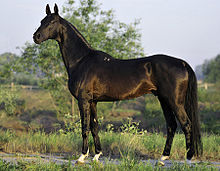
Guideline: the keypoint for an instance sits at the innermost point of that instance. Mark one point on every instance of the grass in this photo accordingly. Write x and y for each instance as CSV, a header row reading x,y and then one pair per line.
x,y
140,145
108,166
130,145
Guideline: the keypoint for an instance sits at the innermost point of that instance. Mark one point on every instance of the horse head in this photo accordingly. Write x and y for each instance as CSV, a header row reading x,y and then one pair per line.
x,y
50,26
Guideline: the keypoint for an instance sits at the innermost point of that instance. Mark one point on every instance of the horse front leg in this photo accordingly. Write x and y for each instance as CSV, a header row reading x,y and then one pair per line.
x,y
84,108
94,126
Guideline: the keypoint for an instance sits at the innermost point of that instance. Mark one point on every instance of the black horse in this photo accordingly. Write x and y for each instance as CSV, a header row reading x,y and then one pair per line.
x,y
95,76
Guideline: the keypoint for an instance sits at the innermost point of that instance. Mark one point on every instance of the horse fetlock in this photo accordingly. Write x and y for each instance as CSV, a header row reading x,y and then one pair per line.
x,y
83,157
96,157
162,160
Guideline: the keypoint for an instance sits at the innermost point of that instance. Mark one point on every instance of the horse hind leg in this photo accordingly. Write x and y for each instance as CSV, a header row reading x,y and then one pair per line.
x,y
171,129
186,126
94,129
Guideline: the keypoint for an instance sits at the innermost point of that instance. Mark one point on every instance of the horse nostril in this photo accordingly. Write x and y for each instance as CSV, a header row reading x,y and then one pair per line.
x,y
38,36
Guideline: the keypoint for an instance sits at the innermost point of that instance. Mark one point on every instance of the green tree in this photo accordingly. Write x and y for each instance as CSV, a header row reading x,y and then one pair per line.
x,y
9,71
101,30
7,61
199,72
8,101
211,70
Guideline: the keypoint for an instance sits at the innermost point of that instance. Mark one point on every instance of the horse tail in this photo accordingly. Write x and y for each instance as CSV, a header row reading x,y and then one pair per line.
x,y
191,107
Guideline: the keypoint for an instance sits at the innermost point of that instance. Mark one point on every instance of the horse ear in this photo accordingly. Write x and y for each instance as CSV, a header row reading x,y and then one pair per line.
x,y
48,9
56,11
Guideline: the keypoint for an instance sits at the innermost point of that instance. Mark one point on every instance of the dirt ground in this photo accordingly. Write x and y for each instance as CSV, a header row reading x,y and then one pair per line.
x,y
62,159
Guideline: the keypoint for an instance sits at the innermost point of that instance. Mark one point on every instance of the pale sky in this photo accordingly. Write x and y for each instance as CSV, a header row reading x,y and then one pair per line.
x,y
188,29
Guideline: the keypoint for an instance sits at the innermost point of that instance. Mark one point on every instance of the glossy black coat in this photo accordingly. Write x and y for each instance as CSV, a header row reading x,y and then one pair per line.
x,y
96,76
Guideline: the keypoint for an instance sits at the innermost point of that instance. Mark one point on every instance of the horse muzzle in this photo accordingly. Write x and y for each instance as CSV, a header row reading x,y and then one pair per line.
x,y
37,37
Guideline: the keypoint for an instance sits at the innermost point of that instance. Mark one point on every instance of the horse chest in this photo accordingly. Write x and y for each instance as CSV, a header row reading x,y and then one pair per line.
x,y
73,86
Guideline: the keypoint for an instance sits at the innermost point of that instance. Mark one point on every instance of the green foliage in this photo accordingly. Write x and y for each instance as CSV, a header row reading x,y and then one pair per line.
x,y
9,71
104,108
209,105
6,137
103,31
45,61
121,165
211,70
72,124
127,145
25,79
7,62
153,113
8,101
199,72
131,127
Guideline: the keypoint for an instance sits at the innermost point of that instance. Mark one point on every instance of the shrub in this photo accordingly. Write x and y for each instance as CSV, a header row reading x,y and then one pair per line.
x,y
10,102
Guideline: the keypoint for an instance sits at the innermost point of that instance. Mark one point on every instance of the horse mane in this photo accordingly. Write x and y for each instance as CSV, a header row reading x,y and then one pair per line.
x,y
78,34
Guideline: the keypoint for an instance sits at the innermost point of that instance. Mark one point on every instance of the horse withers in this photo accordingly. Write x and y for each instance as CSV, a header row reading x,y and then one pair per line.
x,y
96,76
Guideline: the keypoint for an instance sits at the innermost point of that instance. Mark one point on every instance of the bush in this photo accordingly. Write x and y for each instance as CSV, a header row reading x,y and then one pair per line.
x,y
153,113
25,79
209,108
10,102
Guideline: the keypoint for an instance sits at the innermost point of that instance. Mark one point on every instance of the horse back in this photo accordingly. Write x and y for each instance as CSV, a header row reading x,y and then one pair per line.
x,y
107,78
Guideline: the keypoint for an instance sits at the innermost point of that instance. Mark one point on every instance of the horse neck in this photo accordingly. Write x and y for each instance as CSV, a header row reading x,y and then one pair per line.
x,y
73,46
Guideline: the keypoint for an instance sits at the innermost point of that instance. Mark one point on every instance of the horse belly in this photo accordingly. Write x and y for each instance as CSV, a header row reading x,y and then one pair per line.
x,y
125,90
138,90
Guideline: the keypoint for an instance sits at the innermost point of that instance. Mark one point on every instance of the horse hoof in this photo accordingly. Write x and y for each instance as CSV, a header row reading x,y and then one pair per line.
x,y
81,159
162,159
79,162
161,163
96,157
